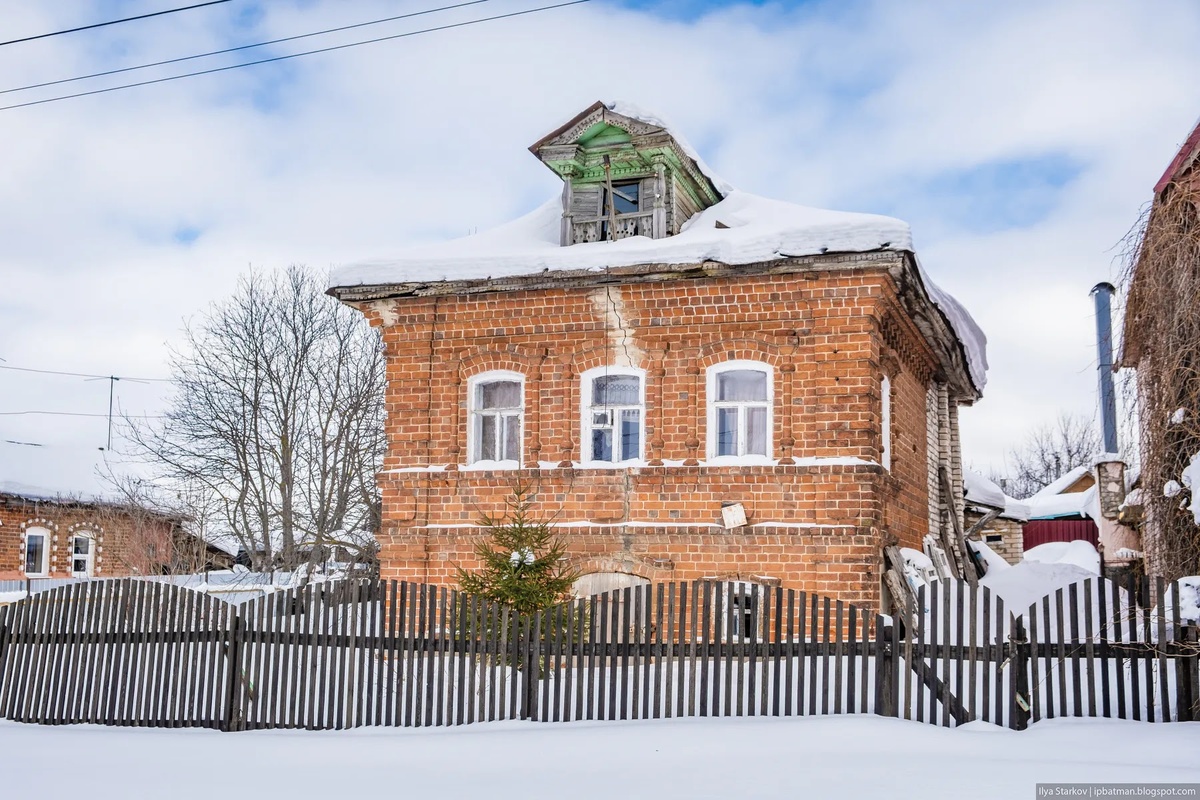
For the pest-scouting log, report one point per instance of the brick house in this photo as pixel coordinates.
(47, 535)
(695, 381)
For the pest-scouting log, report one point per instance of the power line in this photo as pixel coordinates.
(296, 55)
(76, 414)
(241, 47)
(113, 22)
(87, 375)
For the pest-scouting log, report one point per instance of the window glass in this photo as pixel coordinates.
(512, 438)
(756, 430)
(727, 431)
(631, 433)
(625, 198)
(500, 394)
(616, 390)
(35, 553)
(741, 385)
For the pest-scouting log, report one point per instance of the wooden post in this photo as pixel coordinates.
(885, 666)
(233, 682)
(1187, 674)
(1018, 658)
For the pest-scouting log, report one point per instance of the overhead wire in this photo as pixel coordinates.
(330, 49)
(85, 375)
(113, 22)
(239, 48)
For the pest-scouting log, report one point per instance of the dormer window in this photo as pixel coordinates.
(625, 175)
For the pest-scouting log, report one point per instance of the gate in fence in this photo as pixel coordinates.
(353, 653)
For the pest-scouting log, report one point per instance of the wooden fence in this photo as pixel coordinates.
(353, 653)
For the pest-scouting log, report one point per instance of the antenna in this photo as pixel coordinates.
(112, 382)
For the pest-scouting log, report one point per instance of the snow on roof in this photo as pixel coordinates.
(741, 229)
(979, 490)
(1056, 487)
(44, 494)
(1051, 503)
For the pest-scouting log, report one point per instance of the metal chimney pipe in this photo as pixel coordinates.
(1102, 294)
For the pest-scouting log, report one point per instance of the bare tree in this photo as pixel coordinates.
(1048, 453)
(277, 418)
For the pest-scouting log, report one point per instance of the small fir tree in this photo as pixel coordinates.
(522, 560)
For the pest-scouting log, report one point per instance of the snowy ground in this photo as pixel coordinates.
(692, 758)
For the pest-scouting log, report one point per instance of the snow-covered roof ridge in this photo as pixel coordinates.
(633, 111)
(753, 229)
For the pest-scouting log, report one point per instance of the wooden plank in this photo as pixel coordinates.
(1061, 640)
(811, 653)
(1076, 646)
(725, 641)
(912, 632)
(838, 658)
(1105, 679)
(633, 633)
(790, 662)
(1117, 622)
(764, 638)
(851, 655)
(1147, 658)
(933, 632)
(1089, 645)
(666, 617)
(412, 634)
(607, 675)
(960, 606)
(952, 588)
(1049, 680)
(1160, 655)
(646, 649)
(594, 638)
(775, 647)
(691, 645)
(657, 639)
(1002, 634)
(709, 654)
(1135, 701)
(826, 621)
(474, 610)
(1035, 683)
(368, 625)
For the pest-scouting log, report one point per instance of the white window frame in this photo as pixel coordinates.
(885, 418)
(712, 406)
(90, 570)
(47, 538)
(474, 413)
(586, 419)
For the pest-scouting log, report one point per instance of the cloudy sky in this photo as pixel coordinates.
(1020, 139)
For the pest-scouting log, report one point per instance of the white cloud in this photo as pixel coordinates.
(358, 153)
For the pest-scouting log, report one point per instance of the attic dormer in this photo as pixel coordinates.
(624, 174)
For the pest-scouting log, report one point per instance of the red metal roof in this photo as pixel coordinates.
(1183, 159)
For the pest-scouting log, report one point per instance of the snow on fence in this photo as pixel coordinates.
(349, 653)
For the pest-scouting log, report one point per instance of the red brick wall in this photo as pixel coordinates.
(813, 525)
(124, 544)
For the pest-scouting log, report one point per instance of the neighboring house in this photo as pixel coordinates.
(1003, 531)
(44, 534)
(695, 381)
(1087, 503)
(1161, 340)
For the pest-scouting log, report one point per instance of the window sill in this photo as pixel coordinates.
(488, 466)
